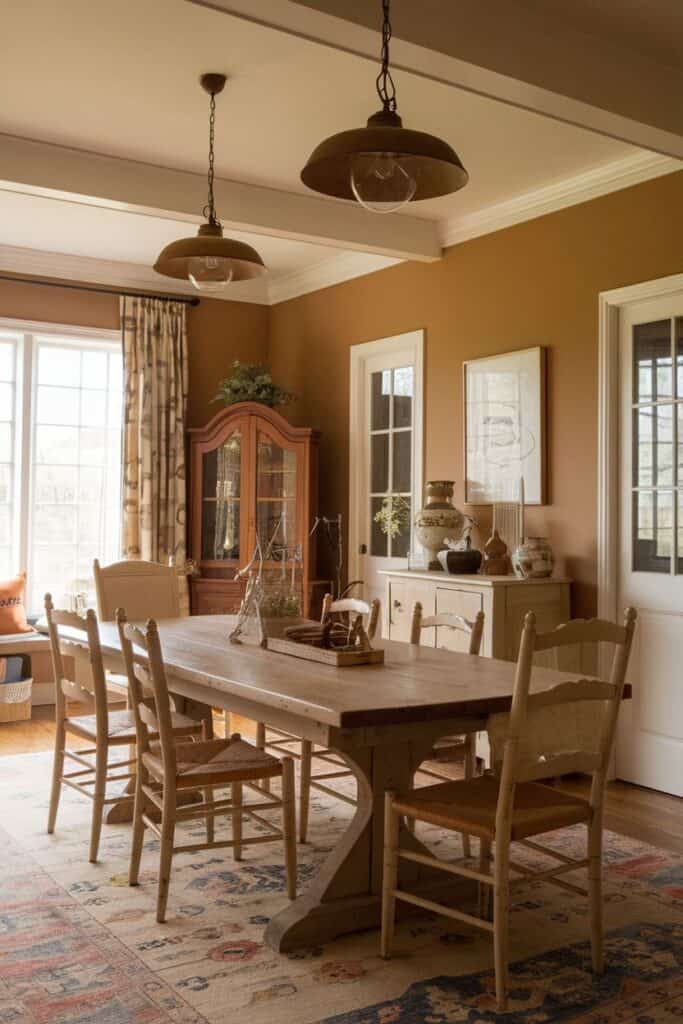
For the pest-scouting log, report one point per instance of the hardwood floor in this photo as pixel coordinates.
(644, 814)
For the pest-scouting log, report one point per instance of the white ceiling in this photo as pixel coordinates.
(121, 79)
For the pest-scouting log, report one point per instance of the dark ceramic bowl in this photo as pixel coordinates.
(460, 563)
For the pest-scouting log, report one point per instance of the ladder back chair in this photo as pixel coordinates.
(347, 611)
(78, 638)
(513, 805)
(448, 748)
(167, 770)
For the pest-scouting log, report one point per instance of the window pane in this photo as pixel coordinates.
(379, 543)
(57, 406)
(115, 372)
(381, 391)
(653, 446)
(5, 563)
(6, 401)
(400, 542)
(5, 526)
(652, 371)
(5, 442)
(94, 370)
(59, 366)
(5, 484)
(402, 459)
(77, 473)
(379, 463)
(6, 360)
(653, 531)
(403, 396)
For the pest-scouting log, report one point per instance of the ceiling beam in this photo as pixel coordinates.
(41, 168)
(503, 51)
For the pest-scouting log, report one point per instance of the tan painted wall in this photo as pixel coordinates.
(218, 332)
(533, 284)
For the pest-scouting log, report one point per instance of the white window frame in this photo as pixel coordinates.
(26, 384)
(412, 343)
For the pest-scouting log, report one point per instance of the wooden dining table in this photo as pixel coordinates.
(382, 719)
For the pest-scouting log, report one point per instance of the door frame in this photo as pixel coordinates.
(359, 356)
(609, 496)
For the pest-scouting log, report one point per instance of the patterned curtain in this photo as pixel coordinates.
(156, 383)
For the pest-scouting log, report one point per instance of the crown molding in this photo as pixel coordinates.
(599, 181)
(325, 274)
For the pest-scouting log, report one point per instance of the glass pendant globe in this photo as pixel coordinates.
(381, 183)
(210, 273)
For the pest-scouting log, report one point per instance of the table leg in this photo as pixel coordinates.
(346, 894)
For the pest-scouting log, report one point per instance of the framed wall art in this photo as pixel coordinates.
(505, 427)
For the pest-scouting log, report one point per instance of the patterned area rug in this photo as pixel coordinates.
(78, 946)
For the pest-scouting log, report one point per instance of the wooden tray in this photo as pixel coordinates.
(325, 655)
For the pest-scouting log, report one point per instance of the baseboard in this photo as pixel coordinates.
(43, 693)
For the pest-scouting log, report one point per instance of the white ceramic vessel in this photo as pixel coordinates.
(533, 559)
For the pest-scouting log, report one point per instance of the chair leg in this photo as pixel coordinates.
(305, 788)
(289, 824)
(138, 828)
(501, 911)
(485, 869)
(57, 772)
(210, 819)
(595, 890)
(470, 772)
(236, 795)
(101, 766)
(261, 744)
(166, 855)
(390, 877)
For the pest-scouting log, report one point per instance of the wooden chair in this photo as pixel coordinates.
(344, 609)
(144, 589)
(168, 770)
(513, 805)
(450, 747)
(105, 729)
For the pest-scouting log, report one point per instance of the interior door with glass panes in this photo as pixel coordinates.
(389, 467)
(650, 737)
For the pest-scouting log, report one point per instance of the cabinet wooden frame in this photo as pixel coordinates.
(216, 582)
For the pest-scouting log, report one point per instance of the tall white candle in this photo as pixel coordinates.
(521, 509)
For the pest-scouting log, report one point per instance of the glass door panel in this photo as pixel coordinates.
(276, 495)
(221, 478)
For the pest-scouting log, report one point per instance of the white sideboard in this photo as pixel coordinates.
(505, 600)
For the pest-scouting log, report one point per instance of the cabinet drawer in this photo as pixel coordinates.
(215, 597)
(466, 603)
(402, 595)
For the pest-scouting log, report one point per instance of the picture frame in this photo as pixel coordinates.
(504, 428)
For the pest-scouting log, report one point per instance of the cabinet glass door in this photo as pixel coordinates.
(276, 496)
(221, 500)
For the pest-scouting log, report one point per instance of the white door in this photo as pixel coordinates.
(650, 738)
(386, 456)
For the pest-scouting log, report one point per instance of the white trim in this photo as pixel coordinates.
(359, 355)
(610, 304)
(599, 181)
(60, 331)
(326, 273)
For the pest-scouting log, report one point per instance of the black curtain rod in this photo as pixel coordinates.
(192, 301)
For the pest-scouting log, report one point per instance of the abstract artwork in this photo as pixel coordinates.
(504, 427)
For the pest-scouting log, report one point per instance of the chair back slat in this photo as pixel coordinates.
(145, 589)
(448, 620)
(347, 606)
(151, 713)
(67, 630)
(569, 728)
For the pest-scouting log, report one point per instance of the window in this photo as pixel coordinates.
(61, 397)
(657, 446)
(391, 471)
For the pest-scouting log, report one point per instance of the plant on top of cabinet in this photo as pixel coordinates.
(251, 382)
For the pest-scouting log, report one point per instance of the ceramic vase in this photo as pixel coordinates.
(438, 520)
(533, 559)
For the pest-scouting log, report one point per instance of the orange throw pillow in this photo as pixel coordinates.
(12, 611)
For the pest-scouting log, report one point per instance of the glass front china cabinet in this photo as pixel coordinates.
(252, 475)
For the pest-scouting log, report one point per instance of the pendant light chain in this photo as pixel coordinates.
(385, 83)
(209, 210)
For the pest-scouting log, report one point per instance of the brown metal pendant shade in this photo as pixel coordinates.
(207, 259)
(174, 259)
(433, 164)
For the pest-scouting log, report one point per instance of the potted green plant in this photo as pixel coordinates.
(251, 382)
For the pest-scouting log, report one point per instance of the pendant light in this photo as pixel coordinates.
(209, 261)
(384, 166)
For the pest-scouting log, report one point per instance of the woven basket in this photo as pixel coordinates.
(15, 701)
